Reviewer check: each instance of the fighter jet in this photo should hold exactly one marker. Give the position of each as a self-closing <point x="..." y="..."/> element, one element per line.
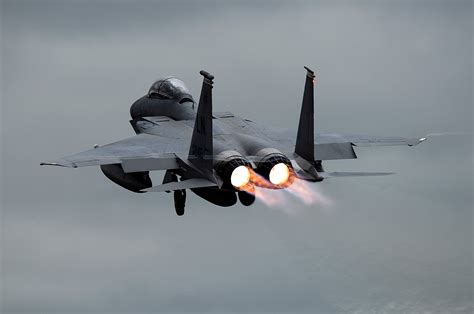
<point x="219" y="156"/>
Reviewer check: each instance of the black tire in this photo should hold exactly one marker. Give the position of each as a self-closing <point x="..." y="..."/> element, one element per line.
<point x="179" y="201"/>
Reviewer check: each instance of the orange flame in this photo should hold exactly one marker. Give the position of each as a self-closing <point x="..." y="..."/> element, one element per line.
<point x="273" y="196"/>
<point x="262" y="182"/>
<point x="259" y="181"/>
<point x="303" y="191"/>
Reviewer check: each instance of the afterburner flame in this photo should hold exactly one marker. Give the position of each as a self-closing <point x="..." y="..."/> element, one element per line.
<point x="273" y="198"/>
<point x="240" y="176"/>
<point x="279" y="174"/>
<point x="281" y="199"/>
<point x="259" y="181"/>
<point x="305" y="192"/>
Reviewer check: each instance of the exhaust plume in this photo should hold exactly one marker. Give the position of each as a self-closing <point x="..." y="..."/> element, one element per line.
<point x="281" y="198"/>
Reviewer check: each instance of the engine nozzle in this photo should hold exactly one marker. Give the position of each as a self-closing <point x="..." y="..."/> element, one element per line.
<point x="276" y="168"/>
<point x="279" y="174"/>
<point x="240" y="176"/>
<point x="234" y="170"/>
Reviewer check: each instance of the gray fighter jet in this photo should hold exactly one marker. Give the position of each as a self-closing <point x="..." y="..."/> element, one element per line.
<point x="217" y="155"/>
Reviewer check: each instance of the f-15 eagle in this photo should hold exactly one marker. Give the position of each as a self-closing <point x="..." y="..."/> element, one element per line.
<point x="217" y="155"/>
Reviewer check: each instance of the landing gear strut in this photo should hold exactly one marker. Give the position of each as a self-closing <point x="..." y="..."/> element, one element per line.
<point x="179" y="195"/>
<point x="179" y="201"/>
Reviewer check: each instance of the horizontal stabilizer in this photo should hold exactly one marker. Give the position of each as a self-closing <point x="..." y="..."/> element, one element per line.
<point x="186" y="184"/>
<point x="333" y="151"/>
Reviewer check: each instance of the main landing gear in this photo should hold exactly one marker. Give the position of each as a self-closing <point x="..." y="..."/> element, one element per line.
<point x="179" y="201"/>
<point x="179" y="195"/>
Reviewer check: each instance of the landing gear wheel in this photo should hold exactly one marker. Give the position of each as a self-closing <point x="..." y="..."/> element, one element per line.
<point x="179" y="201"/>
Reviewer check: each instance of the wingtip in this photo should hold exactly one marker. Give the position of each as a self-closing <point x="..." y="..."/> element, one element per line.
<point x="430" y="135"/>
<point x="62" y="163"/>
<point x="416" y="141"/>
<point x="49" y="163"/>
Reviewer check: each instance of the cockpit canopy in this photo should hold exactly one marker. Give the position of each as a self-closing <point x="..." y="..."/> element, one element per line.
<point x="170" y="88"/>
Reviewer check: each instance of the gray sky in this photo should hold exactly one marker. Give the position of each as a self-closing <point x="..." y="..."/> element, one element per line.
<point x="74" y="242"/>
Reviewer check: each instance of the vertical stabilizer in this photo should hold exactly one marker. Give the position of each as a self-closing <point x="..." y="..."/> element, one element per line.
<point x="305" y="138"/>
<point x="201" y="150"/>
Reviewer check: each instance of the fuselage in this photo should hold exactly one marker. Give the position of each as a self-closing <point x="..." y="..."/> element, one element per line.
<point x="233" y="138"/>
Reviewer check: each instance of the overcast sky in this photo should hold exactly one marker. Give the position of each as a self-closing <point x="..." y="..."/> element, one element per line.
<point x="72" y="241"/>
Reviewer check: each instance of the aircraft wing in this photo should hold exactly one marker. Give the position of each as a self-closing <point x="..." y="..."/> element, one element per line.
<point x="370" y="140"/>
<point x="141" y="152"/>
<point x="331" y="146"/>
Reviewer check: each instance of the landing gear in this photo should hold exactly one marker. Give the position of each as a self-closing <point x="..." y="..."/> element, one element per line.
<point x="179" y="195"/>
<point x="179" y="201"/>
<point x="245" y="198"/>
